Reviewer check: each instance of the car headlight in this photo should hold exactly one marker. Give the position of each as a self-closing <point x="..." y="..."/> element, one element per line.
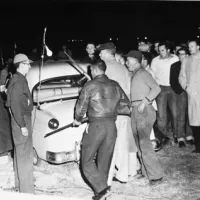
<point x="53" y="123"/>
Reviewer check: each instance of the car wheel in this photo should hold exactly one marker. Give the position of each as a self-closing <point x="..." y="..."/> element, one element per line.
<point x="38" y="161"/>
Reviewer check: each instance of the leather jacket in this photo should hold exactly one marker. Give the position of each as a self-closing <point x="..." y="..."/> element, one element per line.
<point x="100" y="98"/>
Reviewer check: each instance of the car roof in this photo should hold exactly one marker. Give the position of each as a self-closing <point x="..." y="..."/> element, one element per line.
<point x="50" y="70"/>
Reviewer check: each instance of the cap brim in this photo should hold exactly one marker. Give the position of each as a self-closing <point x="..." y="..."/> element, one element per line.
<point x="100" y="48"/>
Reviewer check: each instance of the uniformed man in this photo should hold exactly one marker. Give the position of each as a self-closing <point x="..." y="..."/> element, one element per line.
<point x="20" y="104"/>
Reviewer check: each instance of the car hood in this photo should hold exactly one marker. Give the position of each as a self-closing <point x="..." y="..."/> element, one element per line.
<point x="63" y="111"/>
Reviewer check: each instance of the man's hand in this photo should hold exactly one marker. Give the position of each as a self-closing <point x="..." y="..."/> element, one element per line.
<point x="76" y="123"/>
<point x="141" y="107"/>
<point x="24" y="131"/>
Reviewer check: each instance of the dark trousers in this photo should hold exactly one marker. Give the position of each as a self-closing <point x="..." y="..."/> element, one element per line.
<point x="196" y="134"/>
<point x="142" y="124"/>
<point x="167" y="97"/>
<point x="182" y="118"/>
<point x="100" y="139"/>
<point x="23" y="156"/>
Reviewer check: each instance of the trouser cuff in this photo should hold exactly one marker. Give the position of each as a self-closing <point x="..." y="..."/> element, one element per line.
<point x="181" y="139"/>
<point x="190" y="137"/>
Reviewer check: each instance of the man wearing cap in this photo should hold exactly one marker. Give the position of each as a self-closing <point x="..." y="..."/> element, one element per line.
<point x="125" y="142"/>
<point x="19" y="102"/>
<point x="144" y="90"/>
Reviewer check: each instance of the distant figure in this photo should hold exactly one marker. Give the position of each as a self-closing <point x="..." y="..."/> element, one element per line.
<point x="5" y="124"/>
<point x="120" y="58"/>
<point x="65" y="49"/>
<point x="34" y="55"/>
<point x="91" y="56"/>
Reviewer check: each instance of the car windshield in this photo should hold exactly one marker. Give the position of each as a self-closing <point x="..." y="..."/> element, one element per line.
<point x="58" y="88"/>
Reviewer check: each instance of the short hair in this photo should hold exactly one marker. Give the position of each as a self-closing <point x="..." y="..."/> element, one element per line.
<point x="100" y="64"/>
<point x="90" y="43"/>
<point x="196" y="41"/>
<point x="147" y="56"/>
<point x="166" y="44"/>
<point x="182" y="49"/>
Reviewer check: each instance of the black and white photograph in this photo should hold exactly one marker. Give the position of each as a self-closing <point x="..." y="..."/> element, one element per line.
<point x="100" y="100"/>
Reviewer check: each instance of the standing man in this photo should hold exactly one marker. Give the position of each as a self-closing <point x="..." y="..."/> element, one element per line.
<point x="189" y="80"/>
<point x="181" y="101"/>
<point x="125" y="148"/>
<point x="101" y="99"/>
<point x="143" y="115"/>
<point x="167" y="98"/>
<point x="20" y="104"/>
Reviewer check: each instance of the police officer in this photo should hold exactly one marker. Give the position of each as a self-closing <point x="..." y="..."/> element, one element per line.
<point x="101" y="98"/>
<point x="20" y="104"/>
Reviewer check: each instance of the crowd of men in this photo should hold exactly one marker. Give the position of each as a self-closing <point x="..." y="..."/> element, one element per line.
<point x="132" y="100"/>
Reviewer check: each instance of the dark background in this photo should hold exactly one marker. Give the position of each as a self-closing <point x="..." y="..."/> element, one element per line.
<point x="23" y="23"/>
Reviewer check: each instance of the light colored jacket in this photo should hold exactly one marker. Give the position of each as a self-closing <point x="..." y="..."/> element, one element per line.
<point x="189" y="79"/>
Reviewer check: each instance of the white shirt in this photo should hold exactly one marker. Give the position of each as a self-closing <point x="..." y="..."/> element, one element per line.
<point x="161" y="68"/>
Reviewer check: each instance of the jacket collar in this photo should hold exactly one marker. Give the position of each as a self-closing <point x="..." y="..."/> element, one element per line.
<point x="100" y="76"/>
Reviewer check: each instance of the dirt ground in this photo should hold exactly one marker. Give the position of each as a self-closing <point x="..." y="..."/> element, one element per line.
<point x="181" y="181"/>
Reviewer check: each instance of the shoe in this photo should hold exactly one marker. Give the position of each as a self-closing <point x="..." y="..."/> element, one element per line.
<point x="139" y="176"/>
<point x="155" y="182"/>
<point x="181" y="144"/>
<point x="165" y="141"/>
<point x="195" y="151"/>
<point x="175" y="140"/>
<point x="117" y="180"/>
<point x="156" y="145"/>
<point x="103" y="194"/>
<point x="191" y="142"/>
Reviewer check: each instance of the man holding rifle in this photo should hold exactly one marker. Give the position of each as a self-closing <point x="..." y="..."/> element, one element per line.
<point x="102" y="99"/>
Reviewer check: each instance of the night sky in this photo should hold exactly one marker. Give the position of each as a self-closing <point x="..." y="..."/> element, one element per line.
<point x="96" y="21"/>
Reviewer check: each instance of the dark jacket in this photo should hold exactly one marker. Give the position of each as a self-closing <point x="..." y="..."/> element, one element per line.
<point x="19" y="98"/>
<point x="101" y="98"/>
<point x="174" y="74"/>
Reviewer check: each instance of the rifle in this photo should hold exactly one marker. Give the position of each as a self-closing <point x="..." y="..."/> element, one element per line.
<point x="65" y="127"/>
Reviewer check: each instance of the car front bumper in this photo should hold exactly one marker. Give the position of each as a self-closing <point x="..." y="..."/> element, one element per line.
<point x="63" y="157"/>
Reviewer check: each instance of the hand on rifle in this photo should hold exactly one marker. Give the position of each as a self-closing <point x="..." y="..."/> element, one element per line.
<point x="76" y="123"/>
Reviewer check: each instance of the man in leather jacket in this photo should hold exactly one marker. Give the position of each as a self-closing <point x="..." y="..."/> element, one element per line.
<point x="101" y="98"/>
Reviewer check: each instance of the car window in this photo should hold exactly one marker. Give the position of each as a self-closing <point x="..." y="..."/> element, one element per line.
<point x="58" y="88"/>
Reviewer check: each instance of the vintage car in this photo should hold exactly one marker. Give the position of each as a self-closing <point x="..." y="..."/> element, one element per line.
<point x="55" y="87"/>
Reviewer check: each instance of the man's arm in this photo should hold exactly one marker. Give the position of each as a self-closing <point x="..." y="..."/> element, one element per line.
<point x="153" y="68"/>
<point x="182" y="76"/>
<point x="151" y="83"/>
<point x="16" y="97"/>
<point x="82" y="103"/>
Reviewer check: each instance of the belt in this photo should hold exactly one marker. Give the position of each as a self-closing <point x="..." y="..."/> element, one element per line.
<point x="137" y="102"/>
